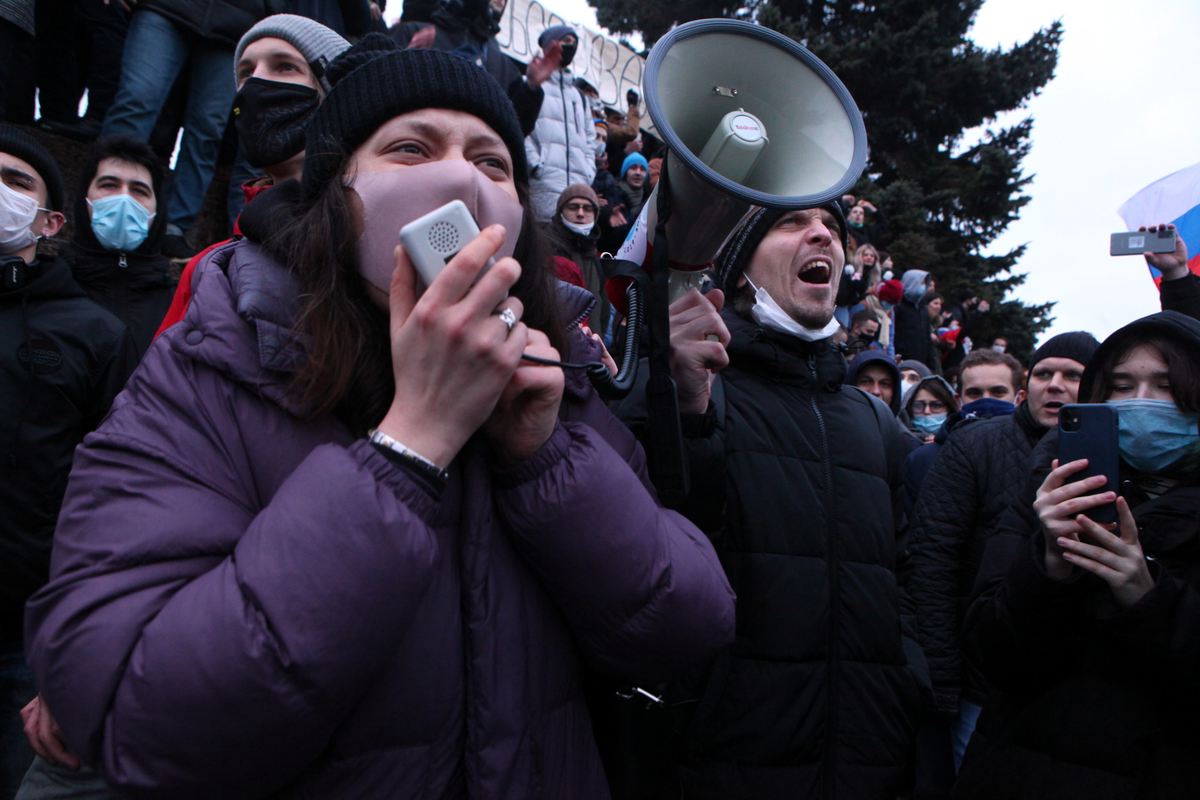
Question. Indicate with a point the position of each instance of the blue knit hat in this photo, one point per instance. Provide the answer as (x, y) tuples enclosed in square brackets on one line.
[(631, 159)]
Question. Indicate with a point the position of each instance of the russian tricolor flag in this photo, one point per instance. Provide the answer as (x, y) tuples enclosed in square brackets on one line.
[(1175, 198)]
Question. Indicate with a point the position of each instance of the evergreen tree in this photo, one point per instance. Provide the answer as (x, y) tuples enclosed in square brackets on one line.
[(921, 85)]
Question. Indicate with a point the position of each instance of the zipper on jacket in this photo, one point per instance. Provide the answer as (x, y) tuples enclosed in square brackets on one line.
[(562, 92), (121, 262), (829, 756)]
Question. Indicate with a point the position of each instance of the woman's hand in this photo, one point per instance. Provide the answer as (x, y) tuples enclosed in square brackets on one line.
[(44, 735), (452, 355), (1059, 506), (1117, 560), (527, 410), (605, 357)]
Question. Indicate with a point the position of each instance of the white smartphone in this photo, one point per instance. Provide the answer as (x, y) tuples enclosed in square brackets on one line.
[(432, 240)]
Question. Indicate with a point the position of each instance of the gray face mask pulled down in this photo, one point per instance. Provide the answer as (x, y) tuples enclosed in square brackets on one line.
[(395, 197)]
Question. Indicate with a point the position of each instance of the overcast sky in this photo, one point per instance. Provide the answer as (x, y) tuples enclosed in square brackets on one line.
[(1122, 112)]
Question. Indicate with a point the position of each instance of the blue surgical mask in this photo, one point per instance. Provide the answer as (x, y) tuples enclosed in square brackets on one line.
[(120, 222), (1155, 434), (928, 423), (886, 305), (989, 407)]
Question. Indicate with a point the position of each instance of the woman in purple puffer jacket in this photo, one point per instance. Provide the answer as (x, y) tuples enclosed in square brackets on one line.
[(298, 562)]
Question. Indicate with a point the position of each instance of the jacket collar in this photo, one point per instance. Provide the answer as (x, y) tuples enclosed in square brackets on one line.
[(54, 283), (782, 358)]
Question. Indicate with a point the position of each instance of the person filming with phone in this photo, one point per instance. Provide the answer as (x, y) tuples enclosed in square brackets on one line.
[(1090, 630), (340, 537)]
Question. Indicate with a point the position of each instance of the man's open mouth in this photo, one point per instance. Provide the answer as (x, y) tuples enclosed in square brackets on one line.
[(816, 271)]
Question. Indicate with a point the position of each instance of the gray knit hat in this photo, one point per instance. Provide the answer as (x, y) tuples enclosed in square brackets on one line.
[(318, 44)]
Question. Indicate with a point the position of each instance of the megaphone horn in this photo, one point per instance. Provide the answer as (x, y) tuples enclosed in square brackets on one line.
[(750, 118)]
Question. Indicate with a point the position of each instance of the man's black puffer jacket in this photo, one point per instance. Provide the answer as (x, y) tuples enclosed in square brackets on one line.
[(222, 21), (797, 480), (62, 361), (1092, 700), (979, 471)]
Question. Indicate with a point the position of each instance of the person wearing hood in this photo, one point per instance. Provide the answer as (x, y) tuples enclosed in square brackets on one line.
[(796, 476), (468, 28), (64, 361), (960, 490), (1089, 633), (341, 538), (573, 234), (912, 318), (116, 253), (280, 68), (562, 149), (927, 406), (877, 375)]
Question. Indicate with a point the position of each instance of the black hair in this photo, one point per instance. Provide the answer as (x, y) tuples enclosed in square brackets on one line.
[(131, 151)]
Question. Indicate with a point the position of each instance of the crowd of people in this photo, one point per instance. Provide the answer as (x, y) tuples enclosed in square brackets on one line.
[(301, 523)]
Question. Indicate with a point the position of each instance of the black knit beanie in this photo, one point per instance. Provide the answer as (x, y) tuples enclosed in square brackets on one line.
[(17, 142), (733, 258), (1076, 345), (375, 81)]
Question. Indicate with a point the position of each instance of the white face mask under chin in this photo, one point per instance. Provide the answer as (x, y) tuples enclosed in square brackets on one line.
[(17, 213), (574, 227), (767, 313)]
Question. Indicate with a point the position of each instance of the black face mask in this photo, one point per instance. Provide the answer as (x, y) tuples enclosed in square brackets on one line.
[(271, 118), (568, 53)]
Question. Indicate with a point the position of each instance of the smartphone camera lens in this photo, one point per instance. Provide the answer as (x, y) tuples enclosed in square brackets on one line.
[(1069, 419)]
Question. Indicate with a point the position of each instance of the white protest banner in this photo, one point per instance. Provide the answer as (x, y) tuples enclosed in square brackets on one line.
[(600, 60)]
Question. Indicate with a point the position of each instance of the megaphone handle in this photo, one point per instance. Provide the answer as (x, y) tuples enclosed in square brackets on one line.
[(668, 465)]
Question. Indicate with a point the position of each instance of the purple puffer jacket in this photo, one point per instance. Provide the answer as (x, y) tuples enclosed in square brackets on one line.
[(243, 604)]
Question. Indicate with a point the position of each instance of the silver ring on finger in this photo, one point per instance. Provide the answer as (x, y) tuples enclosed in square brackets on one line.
[(508, 317)]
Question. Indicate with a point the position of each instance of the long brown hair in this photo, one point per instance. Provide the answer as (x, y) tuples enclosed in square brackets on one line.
[(348, 366)]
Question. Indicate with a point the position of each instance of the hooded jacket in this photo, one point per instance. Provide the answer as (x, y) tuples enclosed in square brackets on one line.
[(912, 319), (875, 357), (976, 474), (797, 480), (1094, 700), (559, 150), (63, 360), (136, 287), (246, 602)]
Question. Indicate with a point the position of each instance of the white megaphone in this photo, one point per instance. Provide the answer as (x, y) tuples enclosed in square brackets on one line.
[(750, 118)]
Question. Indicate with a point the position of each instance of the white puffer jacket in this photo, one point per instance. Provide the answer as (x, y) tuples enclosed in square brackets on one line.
[(560, 148)]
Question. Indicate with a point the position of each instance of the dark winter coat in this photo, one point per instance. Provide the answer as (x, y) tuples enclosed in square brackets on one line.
[(471, 38), (979, 471), (247, 603), (136, 287), (873, 233), (62, 361), (1094, 700), (582, 250), (797, 480), (913, 328), (220, 21), (1182, 295)]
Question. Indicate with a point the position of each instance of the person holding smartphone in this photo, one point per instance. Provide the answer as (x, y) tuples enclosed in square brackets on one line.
[(1090, 632), (338, 540)]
